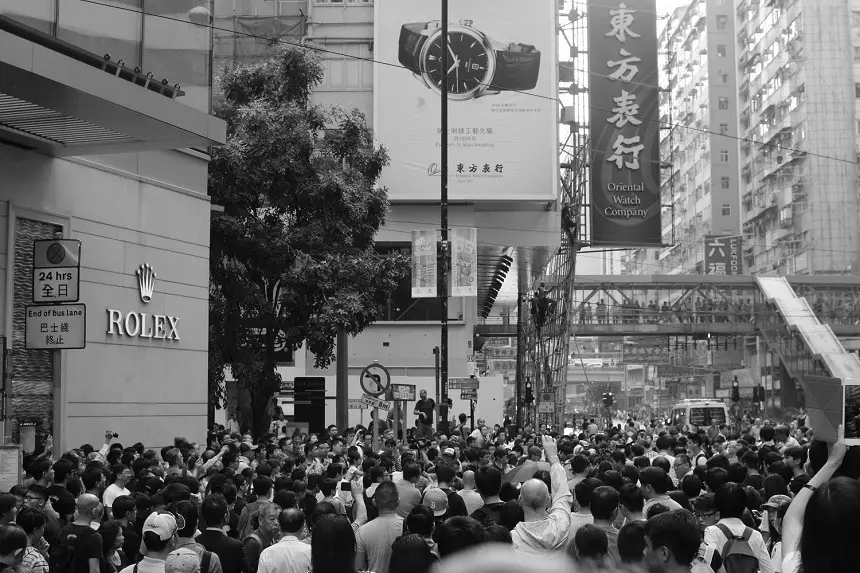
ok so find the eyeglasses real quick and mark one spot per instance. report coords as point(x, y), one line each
point(34, 498)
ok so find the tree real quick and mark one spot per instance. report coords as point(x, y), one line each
point(292, 258)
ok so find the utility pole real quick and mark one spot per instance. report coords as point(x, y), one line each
point(445, 254)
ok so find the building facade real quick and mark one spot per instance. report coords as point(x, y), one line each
point(95, 147)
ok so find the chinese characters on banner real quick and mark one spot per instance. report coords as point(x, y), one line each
point(424, 263)
point(625, 131)
point(464, 262)
point(723, 255)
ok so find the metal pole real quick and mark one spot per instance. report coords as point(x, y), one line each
point(438, 387)
point(375, 430)
point(342, 384)
point(521, 348)
point(443, 266)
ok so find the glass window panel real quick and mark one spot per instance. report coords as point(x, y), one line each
point(38, 14)
point(109, 27)
point(177, 44)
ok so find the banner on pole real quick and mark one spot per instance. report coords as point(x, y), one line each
point(625, 138)
point(464, 261)
point(424, 263)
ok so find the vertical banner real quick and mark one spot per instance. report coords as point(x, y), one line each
point(624, 123)
point(310, 402)
point(464, 261)
point(502, 101)
point(723, 255)
point(424, 280)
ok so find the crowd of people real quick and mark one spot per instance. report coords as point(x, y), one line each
point(638, 496)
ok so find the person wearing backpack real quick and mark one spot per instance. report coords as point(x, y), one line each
point(742, 548)
point(159, 538)
point(80, 547)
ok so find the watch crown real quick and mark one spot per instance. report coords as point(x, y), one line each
point(467, 22)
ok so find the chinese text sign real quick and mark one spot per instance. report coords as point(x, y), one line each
point(723, 255)
point(624, 123)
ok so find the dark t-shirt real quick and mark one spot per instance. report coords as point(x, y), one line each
point(87, 543)
point(488, 514)
point(427, 407)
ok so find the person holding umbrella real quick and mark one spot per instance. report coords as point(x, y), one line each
point(545, 532)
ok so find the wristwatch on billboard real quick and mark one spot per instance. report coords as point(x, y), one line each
point(477, 64)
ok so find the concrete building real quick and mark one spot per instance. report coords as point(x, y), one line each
point(343, 34)
point(97, 148)
point(699, 145)
point(800, 202)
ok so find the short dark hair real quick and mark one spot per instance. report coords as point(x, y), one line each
point(30, 519)
point(731, 500)
point(214, 510)
point(122, 505)
point(630, 496)
point(411, 470)
point(604, 502)
point(678, 531)
point(656, 478)
point(63, 468)
point(797, 453)
point(584, 490)
point(691, 485)
point(262, 485)
point(459, 533)
point(420, 520)
point(488, 480)
point(631, 542)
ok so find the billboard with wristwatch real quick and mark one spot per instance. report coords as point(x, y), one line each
point(502, 90)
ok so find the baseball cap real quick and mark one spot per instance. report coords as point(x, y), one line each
point(153, 485)
point(775, 501)
point(437, 500)
point(182, 560)
point(163, 524)
point(249, 441)
point(449, 452)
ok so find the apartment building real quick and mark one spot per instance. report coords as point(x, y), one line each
point(799, 177)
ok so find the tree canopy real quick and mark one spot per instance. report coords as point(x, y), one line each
point(292, 259)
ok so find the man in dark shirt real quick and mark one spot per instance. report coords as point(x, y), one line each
point(424, 409)
point(229, 550)
point(79, 534)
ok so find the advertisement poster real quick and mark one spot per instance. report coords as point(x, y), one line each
point(723, 255)
point(503, 109)
point(424, 263)
point(625, 133)
point(464, 262)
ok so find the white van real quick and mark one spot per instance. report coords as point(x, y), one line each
point(699, 413)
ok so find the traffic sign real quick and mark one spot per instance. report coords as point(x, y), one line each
point(462, 383)
point(546, 407)
point(55, 326)
point(357, 405)
point(375, 402)
point(375, 379)
point(56, 270)
point(403, 392)
point(469, 394)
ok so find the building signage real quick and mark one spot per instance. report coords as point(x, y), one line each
point(463, 383)
point(469, 394)
point(503, 90)
point(403, 392)
point(56, 270)
point(424, 244)
point(723, 255)
point(625, 132)
point(357, 405)
point(141, 324)
point(464, 263)
point(309, 402)
point(55, 327)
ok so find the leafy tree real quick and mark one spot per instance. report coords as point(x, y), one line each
point(292, 258)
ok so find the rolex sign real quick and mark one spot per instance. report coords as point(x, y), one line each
point(501, 65)
point(134, 324)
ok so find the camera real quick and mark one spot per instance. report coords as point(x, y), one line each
point(115, 435)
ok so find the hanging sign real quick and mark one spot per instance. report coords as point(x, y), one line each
point(464, 262)
point(424, 244)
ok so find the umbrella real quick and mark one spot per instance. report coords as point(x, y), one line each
point(525, 472)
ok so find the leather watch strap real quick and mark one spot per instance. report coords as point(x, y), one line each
point(411, 43)
point(517, 68)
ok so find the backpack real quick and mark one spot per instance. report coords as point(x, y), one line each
point(737, 554)
point(62, 558)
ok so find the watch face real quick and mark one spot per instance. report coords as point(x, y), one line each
point(469, 65)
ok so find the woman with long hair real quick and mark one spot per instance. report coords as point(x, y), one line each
point(333, 545)
point(113, 558)
point(411, 554)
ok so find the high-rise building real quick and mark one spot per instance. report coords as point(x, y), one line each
point(797, 118)
point(699, 143)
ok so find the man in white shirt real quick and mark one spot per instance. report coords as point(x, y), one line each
point(654, 484)
point(730, 500)
point(122, 475)
point(289, 555)
point(470, 495)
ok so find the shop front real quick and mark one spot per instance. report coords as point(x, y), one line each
point(104, 246)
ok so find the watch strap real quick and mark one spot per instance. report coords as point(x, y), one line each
point(411, 43)
point(517, 68)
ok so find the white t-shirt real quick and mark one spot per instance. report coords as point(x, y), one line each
point(112, 492)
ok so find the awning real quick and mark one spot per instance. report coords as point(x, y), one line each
point(60, 100)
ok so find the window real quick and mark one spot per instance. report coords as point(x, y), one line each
point(856, 53)
point(725, 182)
point(857, 90)
point(721, 50)
point(347, 67)
point(82, 24)
point(723, 102)
point(855, 18)
point(722, 22)
point(724, 156)
point(727, 210)
point(724, 129)
point(858, 126)
point(38, 14)
point(724, 76)
point(367, 2)
point(401, 305)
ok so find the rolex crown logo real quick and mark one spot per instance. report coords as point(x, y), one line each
point(146, 281)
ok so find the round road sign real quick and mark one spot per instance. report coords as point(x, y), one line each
point(375, 379)
point(55, 253)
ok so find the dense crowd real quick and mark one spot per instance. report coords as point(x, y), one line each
point(638, 496)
